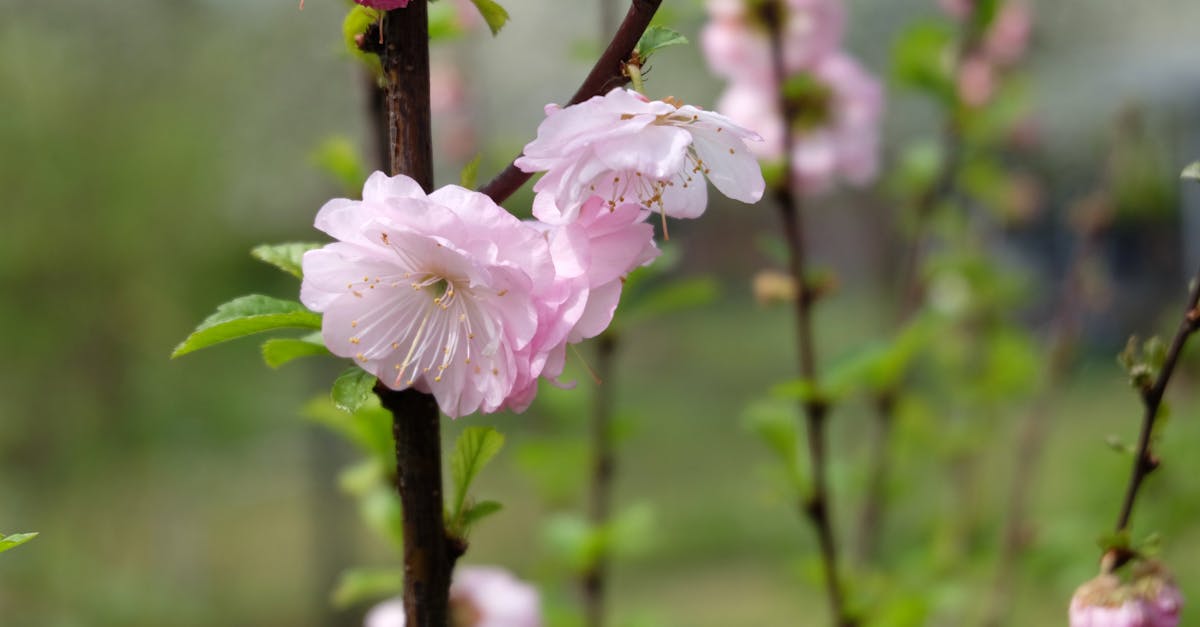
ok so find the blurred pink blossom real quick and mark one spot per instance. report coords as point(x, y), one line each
point(1007, 37)
point(837, 136)
point(736, 46)
point(958, 9)
point(453, 123)
point(479, 597)
point(625, 148)
point(385, 5)
point(976, 81)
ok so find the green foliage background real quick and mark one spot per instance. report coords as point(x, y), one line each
point(146, 146)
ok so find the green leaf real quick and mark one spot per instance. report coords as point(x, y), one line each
point(15, 540)
point(357, 21)
point(338, 157)
point(369, 428)
point(918, 58)
point(352, 389)
point(1192, 172)
point(358, 585)
point(494, 14)
point(656, 38)
point(476, 446)
point(279, 351)
point(444, 22)
point(286, 257)
point(671, 298)
point(776, 423)
point(248, 315)
point(469, 176)
point(479, 511)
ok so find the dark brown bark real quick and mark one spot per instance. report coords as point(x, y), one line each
point(606, 74)
point(429, 553)
point(817, 507)
point(594, 580)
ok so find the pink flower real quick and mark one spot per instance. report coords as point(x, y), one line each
point(479, 597)
point(837, 134)
point(625, 148)
point(1150, 600)
point(976, 81)
point(592, 255)
point(736, 44)
point(958, 9)
point(384, 5)
point(1008, 36)
point(435, 292)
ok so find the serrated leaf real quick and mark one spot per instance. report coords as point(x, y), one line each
point(15, 540)
point(279, 351)
point(475, 447)
point(479, 511)
point(287, 257)
point(359, 585)
point(656, 38)
point(469, 176)
point(351, 389)
point(1191, 172)
point(248, 315)
point(494, 14)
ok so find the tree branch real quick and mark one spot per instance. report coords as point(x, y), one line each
point(817, 507)
point(1144, 461)
point(429, 553)
point(605, 75)
point(593, 582)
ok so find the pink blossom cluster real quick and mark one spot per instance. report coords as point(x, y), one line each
point(840, 104)
point(480, 596)
point(1151, 600)
point(448, 293)
point(1002, 46)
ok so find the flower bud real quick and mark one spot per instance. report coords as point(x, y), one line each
point(1105, 602)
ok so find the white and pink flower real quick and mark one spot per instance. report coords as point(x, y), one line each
point(736, 44)
point(480, 596)
point(435, 292)
point(624, 148)
point(1150, 600)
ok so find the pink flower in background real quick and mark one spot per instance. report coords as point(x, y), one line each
point(1007, 37)
point(479, 597)
point(625, 148)
point(958, 9)
point(453, 121)
point(976, 80)
point(434, 292)
point(384, 5)
point(736, 45)
point(840, 109)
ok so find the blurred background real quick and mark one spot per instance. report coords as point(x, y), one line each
point(146, 146)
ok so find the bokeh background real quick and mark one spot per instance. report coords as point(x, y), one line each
point(147, 145)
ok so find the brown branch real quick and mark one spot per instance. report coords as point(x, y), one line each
point(816, 507)
point(1144, 461)
point(605, 75)
point(594, 581)
point(429, 552)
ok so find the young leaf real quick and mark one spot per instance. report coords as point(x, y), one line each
point(352, 388)
point(656, 38)
point(470, 173)
point(476, 446)
point(279, 351)
point(494, 14)
point(338, 157)
point(1192, 172)
point(286, 257)
point(479, 511)
point(367, 584)
point(15, 540)
point(248, 315)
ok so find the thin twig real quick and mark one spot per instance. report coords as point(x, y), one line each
point(429, 552)
point(594, 580)
point(817, 506)
point(605, 75)
point(1144, 461)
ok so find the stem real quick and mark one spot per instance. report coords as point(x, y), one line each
point(429, 553)
point(635, 77)
point(1144, 461)
point(605, 75)
point(593, 582)
point(817, 507)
